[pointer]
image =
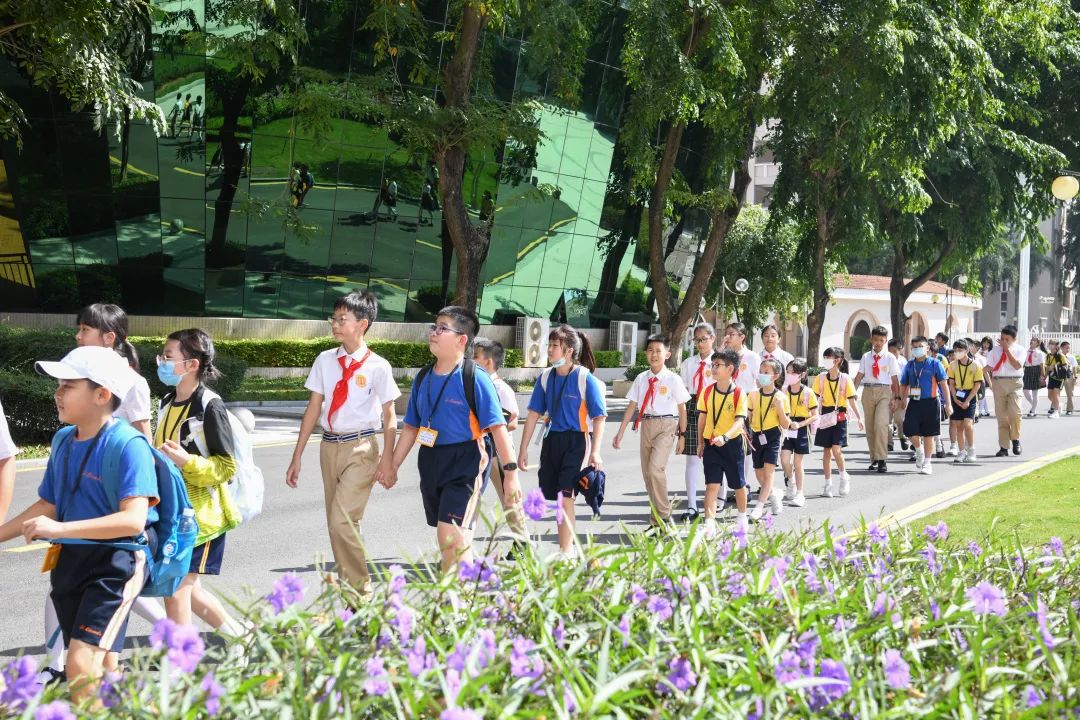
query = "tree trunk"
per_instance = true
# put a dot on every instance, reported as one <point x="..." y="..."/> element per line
<point x="609" y="276"/>
<point x="232" y="167"/>
<point x="898" y="297"/>
<point x="816" y="319"/>
<point x="125" y="144"/>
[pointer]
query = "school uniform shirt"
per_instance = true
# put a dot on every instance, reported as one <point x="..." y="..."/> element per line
<point x="901" y="363"/>
<point x="135" y="406"/>
<point x="925" y="375"/>
<point x="696" y="374"/>
<point x="827" y="389"/>
<point x="762" y="409"/>
<point x="964" y="376"/>
<point x="7" y="445"/>
<point x="888" y="368"/>
<point x="801" y="402"/>
<point x="371" y="387"/>
<point x="749" y="364"/>
<point x="507" y="399"/>
<point x="85" y="498"/>
<point x="439" y="403"/>
<point x="1070" y="361"/>
<point x="561" y="400"/>
<point x="780" y="355"/>
<point x="1000" y="367"/>
<point x="1034" y="357"/>
<point x="668" y="393"/>
<point x="720" y="410"/>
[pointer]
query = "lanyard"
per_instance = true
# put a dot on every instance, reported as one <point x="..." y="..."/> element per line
<point x="796" y="402"/>
<point x="712" y="401"/>
<point x="553" y="404"/>
<point x="763" y="415"/>
<point x="82" y="467"/>
<point x="918" y="375"/>
<point x="961" y="370"/>
<point x="834" y="387"/>
<point x="167" y="434"/>
<point x="438" y="398"/>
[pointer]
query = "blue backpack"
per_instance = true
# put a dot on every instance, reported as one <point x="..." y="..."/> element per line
<point x="169" y="563"/>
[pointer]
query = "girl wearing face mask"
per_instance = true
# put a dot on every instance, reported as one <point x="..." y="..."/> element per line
<point x="194" y="433"/>
<point x="796" y="447"/>
<point x="768" y="409"/>
<point x="1034" y="373"/>
<point x="836" y="392"/>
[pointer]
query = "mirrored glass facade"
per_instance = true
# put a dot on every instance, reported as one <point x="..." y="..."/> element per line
<point x="193" y="222"/>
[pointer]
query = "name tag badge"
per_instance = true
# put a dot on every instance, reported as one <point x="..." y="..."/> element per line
<point x="916" y="393"/>
<point x="52" y="557"/>
<point x="427" y="436"/>
<point x="762" y="440"/>
<point x="792" y="433"/>
<point x="961" y="394"/>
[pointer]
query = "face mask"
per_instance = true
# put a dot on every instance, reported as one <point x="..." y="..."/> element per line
<point x="166" y="373"/>
<point x="791" y="379"/>
<point x="764" y="379"/>
<point x="918" y="352"/>
<point x="558" y="363"/>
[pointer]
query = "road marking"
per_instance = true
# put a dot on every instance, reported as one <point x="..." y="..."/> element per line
<point x="255" y="446"/>
<point x="430" y="245"/>
<point x="28" y="548"/>
<point x="131" y="168"/>
<point x="189" y="172"/>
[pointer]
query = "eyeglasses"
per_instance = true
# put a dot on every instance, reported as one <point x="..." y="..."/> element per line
<point x="338" y="321"/>
<point x="718" y="365"/>
<point x="701" y="340"/>
<point x="440" y="329"/>
<point x="162" y="359"/>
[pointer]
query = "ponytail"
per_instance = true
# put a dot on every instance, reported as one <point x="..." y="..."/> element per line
<point x="108" y="318"/>
<point x="576" y="342"/>
<point x="197" y="345"/>
<point x="586" y="356"/>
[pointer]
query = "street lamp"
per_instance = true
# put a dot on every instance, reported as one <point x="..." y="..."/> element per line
<point x="741" y="286"/>
<point x="1065" y="187"/>
<point x="949" y="300"/>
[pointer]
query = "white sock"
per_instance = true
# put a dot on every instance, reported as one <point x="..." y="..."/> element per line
<point x="54" y="639"/>
<point x="150" y="610"/>
<point x="693" y="476"/>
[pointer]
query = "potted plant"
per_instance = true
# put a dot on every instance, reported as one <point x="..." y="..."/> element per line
<point x="402" y="403"/>
<point x="620" y="388"/>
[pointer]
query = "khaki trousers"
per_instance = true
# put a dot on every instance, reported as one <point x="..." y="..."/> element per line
<point x="876" y="416"/>
<point x="657" y="444"/>
<point x="1008" y="393"/>
<point x="1068" y="388"/>
<point x="348" y="471"/>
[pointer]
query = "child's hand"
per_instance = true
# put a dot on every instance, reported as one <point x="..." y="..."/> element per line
<point x="292" y="475"/>
<point x="861" y="426"/>
<point x="523" y="459"/>
<point x="41" y="528"/>
<point x="511" y="487"/>
<point x="594" y="460"/>
<point x="616" y="442"/>
<point x="680" y="445"/>
<point x="174" y="452"/>
<point x="385" y="474"/>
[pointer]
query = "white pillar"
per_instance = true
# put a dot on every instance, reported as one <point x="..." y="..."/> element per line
<point x="1022" y="292"/>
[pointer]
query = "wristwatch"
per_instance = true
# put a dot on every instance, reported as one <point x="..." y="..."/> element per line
<point x="509" y="466"/>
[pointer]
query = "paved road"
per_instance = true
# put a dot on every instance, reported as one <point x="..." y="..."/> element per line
<point x="290" y="535"/>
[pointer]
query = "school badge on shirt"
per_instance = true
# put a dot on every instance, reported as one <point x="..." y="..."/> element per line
<point x="361" y="381"/>
<point x="663" y="389"/>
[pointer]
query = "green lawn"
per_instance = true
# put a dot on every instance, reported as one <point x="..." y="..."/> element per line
<point x="1034" y="507"/>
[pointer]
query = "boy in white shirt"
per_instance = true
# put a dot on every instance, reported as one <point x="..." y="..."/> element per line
<point x="879" y="376"/>
<point x="660" y="397"/>
<point x="352" y="394"/>
<point x="8" y="451"/>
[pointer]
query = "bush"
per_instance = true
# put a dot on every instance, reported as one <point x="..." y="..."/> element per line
<point x="608" y="358"/>
<point x="633" y="371"/>
<point x="30" y="407"/>
<point x="771" y="625"/>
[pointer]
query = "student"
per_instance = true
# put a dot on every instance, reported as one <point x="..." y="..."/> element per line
<point x="965" y="381"/>
<point x="879" y="376"/>
<point x="452" y="459"/>
<point x="941" y="348"/>
<point x="1005" y="371"/>
<point x="796" y="447"/>
<point x="490" y="356"/>
<point x="767" y="408"/>
<point x="945" y="404"/>
<point x="697" y="377"/>
<point x="836" y="395"/>
<point x="896" y="349"/>
<point x="770" y="338"/>
<point x="93" y="586"/>
<point x="8" y="451"/>
<point x="1070" y="382"/>
<point x="567" y="404"/>
<point x="922" y="410"/>
<point x="659" y="397"/>
<point x="352" y="398"/>
<point x="985" y="346"/>
<point x="174" y="114"/>
<point x="745" y="376"/>
<point x="195" y="434"/>
<point x="1057" y="371"/>
<point x="721" y="415"/>
<point x="1034" y="374"/>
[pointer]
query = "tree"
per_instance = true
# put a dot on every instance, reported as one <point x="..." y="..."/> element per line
<point x="68" y="47"/>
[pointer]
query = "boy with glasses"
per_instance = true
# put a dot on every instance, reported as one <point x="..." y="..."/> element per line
<point x="352" y="394"/>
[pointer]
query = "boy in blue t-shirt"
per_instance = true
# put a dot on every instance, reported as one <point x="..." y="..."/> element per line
<point x="93" y="586"/>
<point x="453" y="458"/>
<point x="919" y="384"/>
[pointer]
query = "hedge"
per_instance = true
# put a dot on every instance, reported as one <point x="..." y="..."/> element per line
<point x="608" y="358"/>
<point x="29" y="406"/>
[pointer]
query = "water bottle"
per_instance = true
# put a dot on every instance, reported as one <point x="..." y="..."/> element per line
<point x="186" y="526"/>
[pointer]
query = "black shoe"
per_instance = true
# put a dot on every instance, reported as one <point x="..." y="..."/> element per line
<point x="903" y="444"/>
<point x="1016" y="447"/>
<point x="517" y="550"/>
<point x="55" y="676"/>
<point x="882" y="467"/>
<point x="1002" y="453"/>
<point x="873" y="466"/>
<point x="890" y="447"/>
<point x="690" y="515"/>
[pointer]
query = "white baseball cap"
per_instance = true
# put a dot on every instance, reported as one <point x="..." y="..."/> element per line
<point x="102" y="365"/>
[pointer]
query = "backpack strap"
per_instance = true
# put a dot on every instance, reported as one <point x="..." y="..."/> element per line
<point x="468" y="380"/>
<point x="112" y="450"/>
<point x="544" y="375"/>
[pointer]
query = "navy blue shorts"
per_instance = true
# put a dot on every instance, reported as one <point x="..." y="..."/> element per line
<point x="452" y="479"/>
<point x="562" y="456"/>
<point x="968" y="413"/>
<point x="769" y="453"/>
<point x="206" y="559"/>
<point x="93" y="589"/>
<point x="922" y="418"/>
<point x="799" y="445"/>
<point x="727" y="461"/>
<point x="831" y="436"/>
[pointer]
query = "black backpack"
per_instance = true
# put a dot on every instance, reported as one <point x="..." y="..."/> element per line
<point x="468" y="379"/>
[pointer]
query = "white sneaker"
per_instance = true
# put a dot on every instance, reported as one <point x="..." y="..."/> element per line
<point x="920" y="458"/>
<point x="962" y="457"/>
<point x="970" y="458"/>
<point x="845" y="483"/>
<point x="757" y="512"/>
<point x="1054" y="414"/>
<point x="953" y="450"/>
<point x="708" y="526"/>
<point x="777" y="506"/>
<point x="789" y="492"/>
<point x="828" y="491"/>
<point x="742" y="522"/>
<point x="926" y="469"/>
<point x="799" y="500"/>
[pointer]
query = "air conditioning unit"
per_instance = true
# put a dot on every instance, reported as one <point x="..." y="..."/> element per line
<point x="531" y="337"/>
<point x="622" y="336"/>
<point x="656" y="329"/>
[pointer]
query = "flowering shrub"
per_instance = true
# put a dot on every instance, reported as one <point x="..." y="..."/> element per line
<point x="881" y="623"/>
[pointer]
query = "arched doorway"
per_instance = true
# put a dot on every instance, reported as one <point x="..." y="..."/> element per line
<point x="916" y="325"/>
<point x="859" y="340"/>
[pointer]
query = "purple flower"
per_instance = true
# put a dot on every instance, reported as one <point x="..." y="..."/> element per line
<point x="897" y="672"/>
<point x="638" y="594"/>
<point x="288" y="590"/>
<point x="1055" y="547"/>
<point x="1044" y="627"/>
<point x="735" y="585"/>
<point x="809" y="562"/>
<point x="183" y="643"/>
<point x="934" y="609"/>
<point x="384" y="640"/>
<point x="988" y="599"/>
<point x="330" y="696"/>
<point x="660" y="607"/>
<point x="557" y="507"/>
<point x="214" y="692"/>
<point x="961" y="641"/>
<point x="534" y="505"/>
<point x="481" y="571"/>
<point x="1019" y="564"/>
<point x="930" y="553"/>
<point x="398" y="581"/>
<point x="376" y="684"/>
<point x="403" y="621"/>
<point x="569" y="704"/>
<point x="877" y="534"/>
<point x="684" y="587"/>
<point x="822" y="695"/>
<point x="1033" y="697"/>
<point x="813" y="583"/>
<point x="840" y="550"/>
<point x="418" y="659"/>
<point x="739" y="533"/>
<point x="937" y="532"/>
<point x="624" y="629"/>
<point x="725" y="551"/>
<point x="882" y="604"/>
<point x="57" y="710"/>
<point x="680" y="676"/>
<point x="460" y="714"/>
<point x="768" y="521"/>
<point x="483" y="651"/>
<point x="789" y="669"/>
<point x="108" y="693"/>
<point x="779" y="567"/>
<point x="19" y="683"/>
<point x="345" y="615"/>
<point x="808" y="645"/>
<point x="559" y="633"/>
<point x="524" y="662"/>
<point x="974" y="549"/>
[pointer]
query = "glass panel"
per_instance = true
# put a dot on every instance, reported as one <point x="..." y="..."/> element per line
<point x="313" y="173"/>
<point x="496" y="299"/>
<point x="309" y="253"/>
<point x="182" y="235"/>
<point x="261" y="294"/>
<point x="232" y="251"/>
<point x="183" y="291"/>
<point x="139" y="240"/>
<point x="301" y="297"/>
<point x="143" y="287"/>
<point x="266" y="244"/>
<point x="350" y="246"/>
<point x="612" y="95"/>
<point x="393" y="251"/>
<point x="392" y="294"/>
<point x="224" y="292"/>
<point x="180" y="85"/>
<point x="359" y="179"/>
